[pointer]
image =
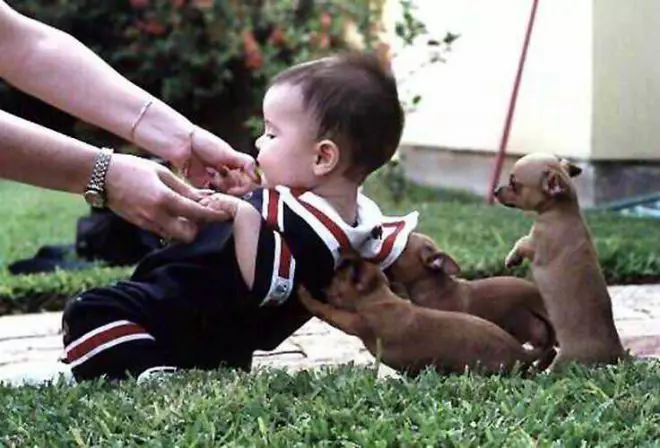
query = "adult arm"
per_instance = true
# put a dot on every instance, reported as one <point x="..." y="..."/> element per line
<point x="58" y="69"/>
<point x="140" y="190"/>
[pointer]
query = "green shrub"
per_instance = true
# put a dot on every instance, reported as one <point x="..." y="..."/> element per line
<point x="209" y="59"/>
<point x="617" y="406"/>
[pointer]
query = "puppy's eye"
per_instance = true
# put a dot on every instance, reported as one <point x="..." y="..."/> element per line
<point x="513" y="184"/>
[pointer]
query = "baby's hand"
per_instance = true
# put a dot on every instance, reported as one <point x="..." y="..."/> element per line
<point x="235" y="182"/>
<point x="226" y="204"/>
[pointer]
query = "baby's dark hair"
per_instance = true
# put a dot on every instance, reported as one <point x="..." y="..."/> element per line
<point x="355" y="102"/>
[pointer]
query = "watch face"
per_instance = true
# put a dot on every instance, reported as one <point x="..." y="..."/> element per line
<point x="94" y="198"/>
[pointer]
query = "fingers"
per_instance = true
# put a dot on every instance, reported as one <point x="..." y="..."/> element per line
<point x="182" y="209"/>
<point x="177" y="229"/>
<point x="222" y="203"/>
<point x="181" y="187"/>
<point x="233" y="182"/>
<point x="197" y="174"/>
<point x="214" y="152"/>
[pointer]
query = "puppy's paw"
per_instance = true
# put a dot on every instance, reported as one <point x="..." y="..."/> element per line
<point x="513" y="259"/>
<point x="310" y="303"/>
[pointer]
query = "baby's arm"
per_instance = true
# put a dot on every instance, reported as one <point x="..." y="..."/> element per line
<point x="276" y="244"/>
<point x="247" y="225"/>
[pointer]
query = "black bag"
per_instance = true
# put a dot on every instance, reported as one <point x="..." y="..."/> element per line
<point x="106" y="236"/>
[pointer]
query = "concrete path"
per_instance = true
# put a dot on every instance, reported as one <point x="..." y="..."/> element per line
<point x="30" y="344"/>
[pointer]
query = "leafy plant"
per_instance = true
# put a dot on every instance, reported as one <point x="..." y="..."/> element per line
<point x="212" y="59"/>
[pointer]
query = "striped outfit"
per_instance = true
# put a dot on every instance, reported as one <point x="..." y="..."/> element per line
<point x="187" y="306"/>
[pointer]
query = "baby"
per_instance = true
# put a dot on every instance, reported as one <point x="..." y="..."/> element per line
<point x="329" y="123"/>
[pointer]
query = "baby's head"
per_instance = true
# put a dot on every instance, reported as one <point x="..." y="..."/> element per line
<point x="333" y="119"/>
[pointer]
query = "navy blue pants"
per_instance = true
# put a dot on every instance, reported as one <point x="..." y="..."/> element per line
<point x="125" y="329"/>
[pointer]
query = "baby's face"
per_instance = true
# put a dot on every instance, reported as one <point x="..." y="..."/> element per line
<point x="286" y="148"/>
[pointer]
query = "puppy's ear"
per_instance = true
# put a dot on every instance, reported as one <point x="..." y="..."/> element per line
<point x="437" y="261"/>
<point x="553" y="184"/>
<point x="364" y="276"/>
<point x="574" y="170"/>
<point x="356" y="270"/>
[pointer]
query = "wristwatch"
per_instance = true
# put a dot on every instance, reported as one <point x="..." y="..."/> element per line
<point x="95" y="194"/>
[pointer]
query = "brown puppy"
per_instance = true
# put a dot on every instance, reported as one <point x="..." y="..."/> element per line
<point x="564" y="261"/>
<point x="409" y="338"/>
<point x="429" y="277"/>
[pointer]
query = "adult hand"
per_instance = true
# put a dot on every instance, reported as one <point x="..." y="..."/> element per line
<point x="210" y="153"/>
<point x="152" y="197"/>
<point x="224" y="204"/>
<point x="234" y="182"/>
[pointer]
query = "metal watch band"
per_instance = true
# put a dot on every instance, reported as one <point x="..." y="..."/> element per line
<point x="101" y="165"/>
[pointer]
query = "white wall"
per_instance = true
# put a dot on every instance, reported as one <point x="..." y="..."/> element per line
<point x="464" y="102"/>
<point x="626" y="79"/>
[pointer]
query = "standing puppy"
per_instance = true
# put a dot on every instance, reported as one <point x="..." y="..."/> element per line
<point x="409" y="338"/>
<point x="564" y="261"/>
<point x="430" y="279"/>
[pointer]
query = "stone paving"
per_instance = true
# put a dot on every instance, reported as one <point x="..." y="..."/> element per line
<point x="30" y="344"/>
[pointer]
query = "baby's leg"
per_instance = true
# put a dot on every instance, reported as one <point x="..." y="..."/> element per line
<point x="102" y="338"/>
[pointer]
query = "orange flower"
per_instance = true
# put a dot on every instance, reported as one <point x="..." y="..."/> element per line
<point x="326" y="21"/>
<point x="139" y="4"/>
<point x="320" y="40"/>
<point x="152" y="26"/>
<point x="277" y="37"/>
<point x="253" y="57"/>
<point x="203" y="4"/>
<point x="384" y="53"/>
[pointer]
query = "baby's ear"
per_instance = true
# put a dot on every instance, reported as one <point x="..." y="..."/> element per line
<point x="326" y="157"/>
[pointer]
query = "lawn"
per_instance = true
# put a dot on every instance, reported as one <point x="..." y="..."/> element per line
<point x="343" y="406"/>
<point x="339" y="406"/>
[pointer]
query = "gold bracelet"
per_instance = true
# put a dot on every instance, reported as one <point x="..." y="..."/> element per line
<point x="186" y="166"/>
<point x="143" y="111"/>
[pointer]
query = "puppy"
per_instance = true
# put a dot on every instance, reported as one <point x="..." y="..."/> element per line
<point x="409" y="338"/>
<point x="564" y="261"/>
<point x="429" y="277"/>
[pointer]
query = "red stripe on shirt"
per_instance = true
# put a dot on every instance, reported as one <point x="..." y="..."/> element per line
<point x="333" y="228"/>
<point x="273" y="208"/>
<point x="388" y="244"/>
<point x="285" y="260"/>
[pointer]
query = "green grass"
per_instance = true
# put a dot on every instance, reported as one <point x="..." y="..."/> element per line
<point x="477" y="235"/>
<point x="343" y="406"/>
<point x="31" y="218"/>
